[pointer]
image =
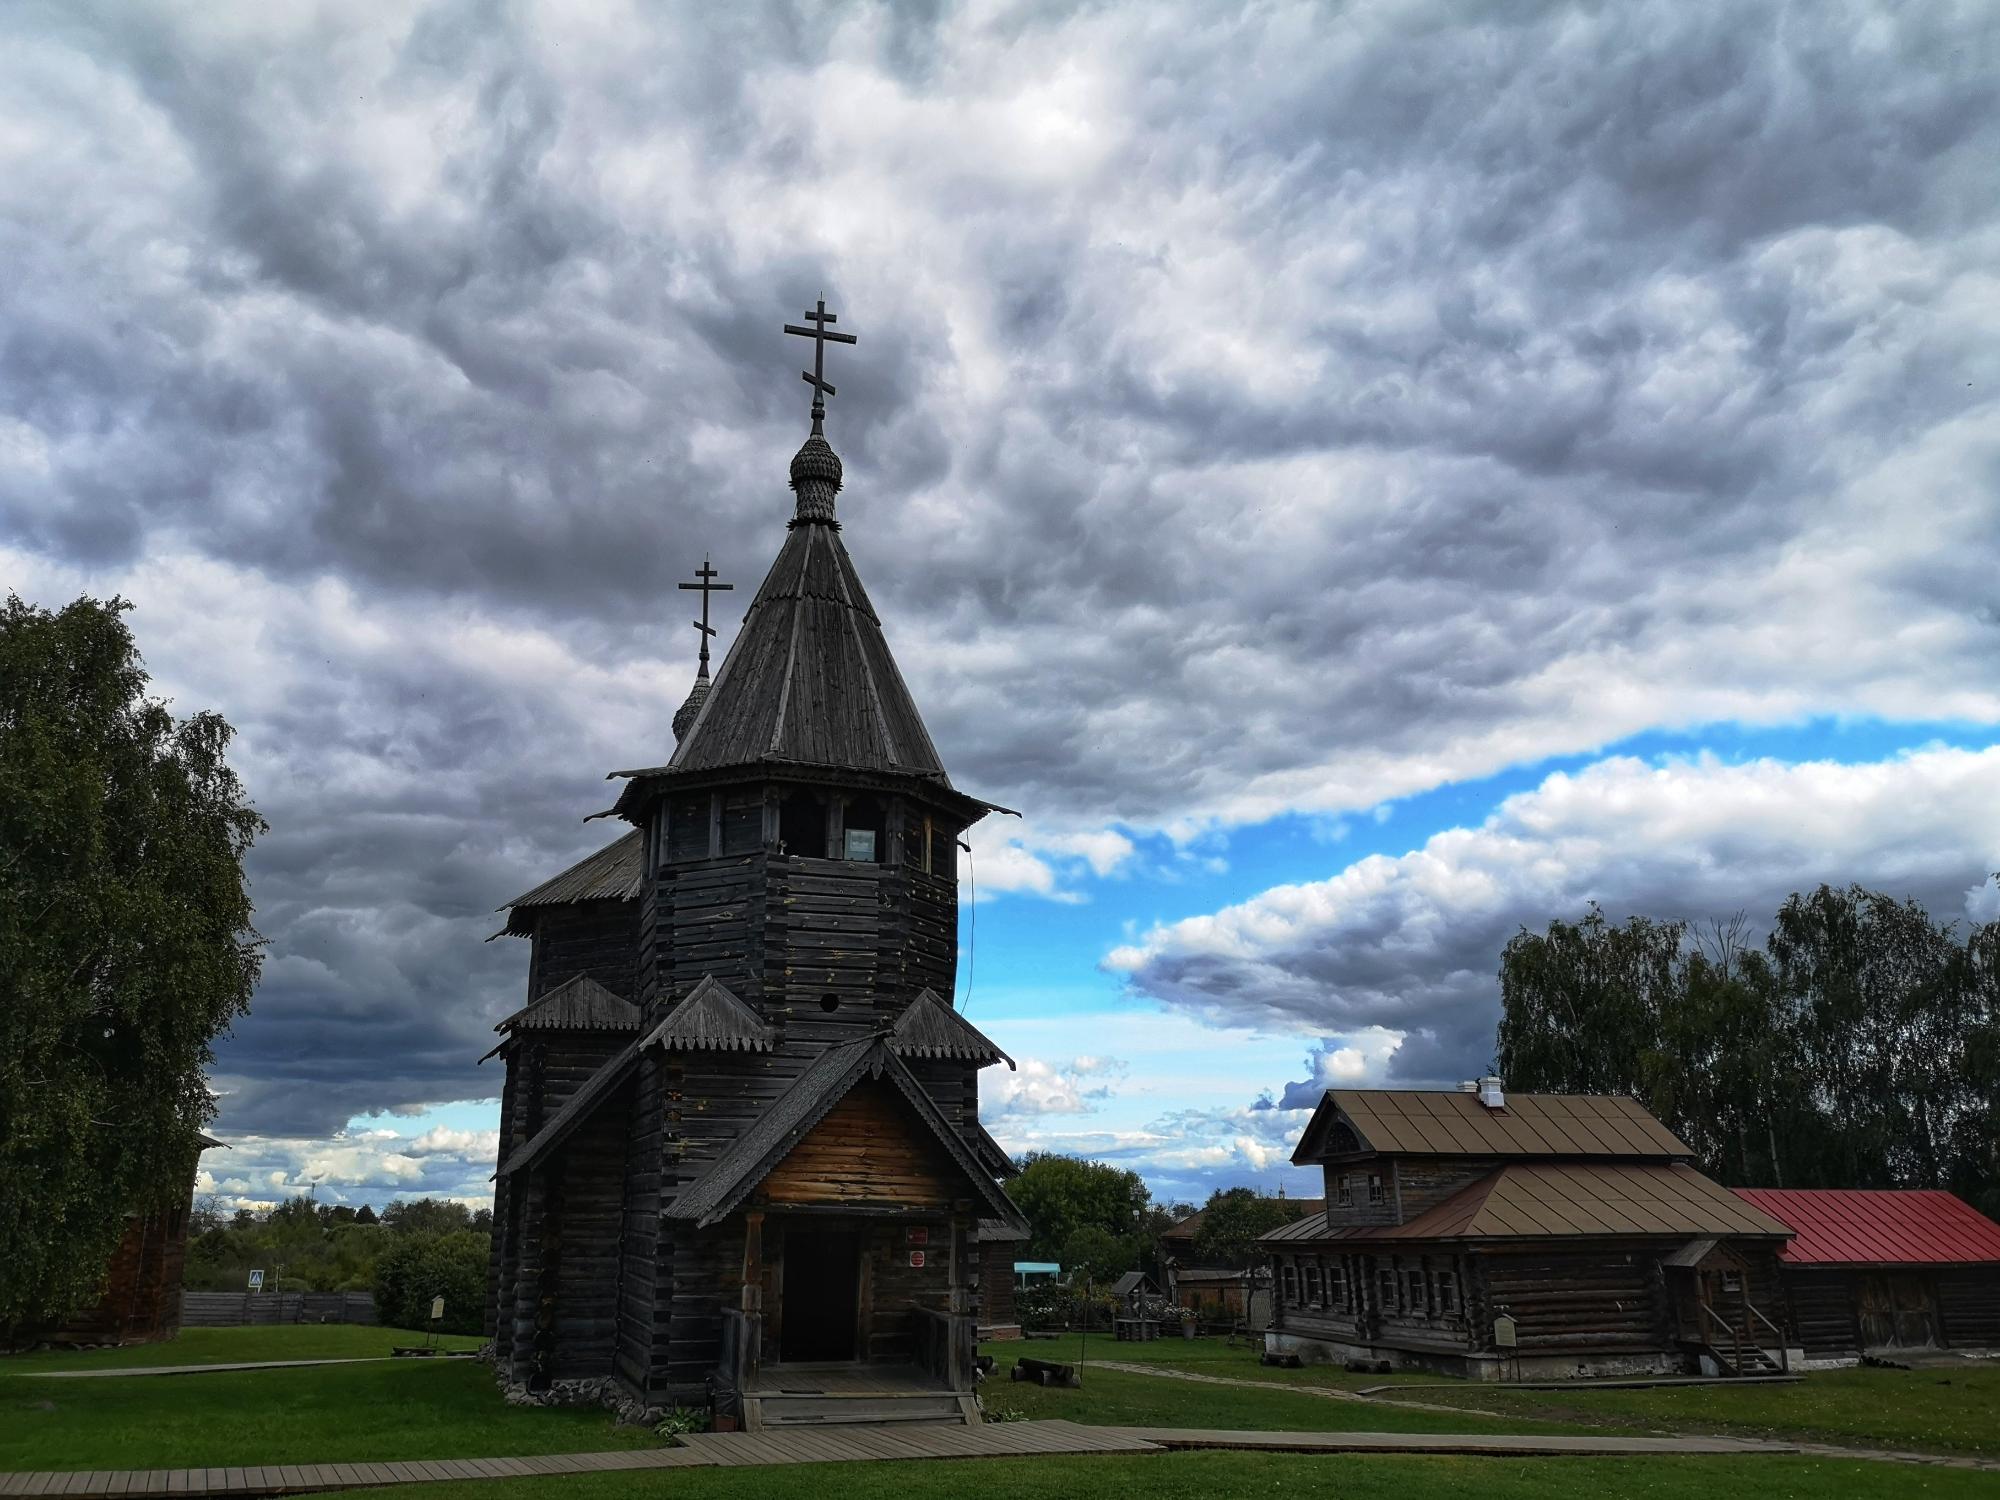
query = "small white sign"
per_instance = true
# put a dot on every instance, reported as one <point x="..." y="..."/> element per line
<point x="437" y="1308"/>
<point x="256" y="1281"/>
<point x="1503" y="1332"/>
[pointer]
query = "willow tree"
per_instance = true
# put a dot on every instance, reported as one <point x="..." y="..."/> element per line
<point x="125" y="944"/>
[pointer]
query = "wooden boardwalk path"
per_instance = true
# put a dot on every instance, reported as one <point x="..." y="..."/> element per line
<point x="1490" y="1445"/>
<point x="703" y="1450"/>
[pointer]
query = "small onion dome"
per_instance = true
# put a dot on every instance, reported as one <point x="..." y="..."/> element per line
<point x="815" y="480"/>
<point x="684" y="717"/>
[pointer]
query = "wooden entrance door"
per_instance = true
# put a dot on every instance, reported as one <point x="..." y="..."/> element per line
<point x="822" y="1297"/>
<point x="1896" y="1311"/>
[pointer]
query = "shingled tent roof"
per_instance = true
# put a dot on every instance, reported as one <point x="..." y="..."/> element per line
<point x="809" y="679"/>
<point x="930" y="1028"/>
<point x="711" y="1018"/>
<point x="611" y="874"/>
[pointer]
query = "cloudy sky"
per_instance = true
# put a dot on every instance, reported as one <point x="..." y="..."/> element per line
<point x="1362" y="478"/>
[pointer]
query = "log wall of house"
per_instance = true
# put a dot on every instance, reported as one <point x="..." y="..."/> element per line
<point x="996" y="1283"/>
<point x="141" y="1300"/>
<point x="1588" y="1297"/>
<point x="1423" y="1182"/>
<point x="640" y="1263"/>
<point x="1968" y="1303"/>
<point x="1362" y="1213"/>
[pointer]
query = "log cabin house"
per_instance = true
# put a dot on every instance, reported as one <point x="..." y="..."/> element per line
<point x="1492" y="1236"/>
<point x="740" y="1140"/>
<point x="1872" y="1270"/>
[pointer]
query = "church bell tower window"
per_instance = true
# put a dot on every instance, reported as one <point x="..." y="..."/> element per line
<point x="863" y="837"/>
<point x="802" y="824"/>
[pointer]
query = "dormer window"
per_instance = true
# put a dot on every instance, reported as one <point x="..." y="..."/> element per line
<point x="1343" y="1187"/>
<point x="1375" y="1189"/>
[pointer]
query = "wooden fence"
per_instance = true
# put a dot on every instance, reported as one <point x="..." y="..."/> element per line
<point x="238" y="1309"/>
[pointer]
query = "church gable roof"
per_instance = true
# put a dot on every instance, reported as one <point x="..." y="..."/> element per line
<point x="710" y="1018"/>
<point x="751" y="1158"/>
<point x="931" y="1028"/>
<point x="580" y="1107"/>
<point x="809" y="679"/>
<point x="577" y="1004"/>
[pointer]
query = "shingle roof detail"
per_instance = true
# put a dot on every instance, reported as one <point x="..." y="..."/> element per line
<point x="1881" y="1227"/>
<point x="1548" y="1200"/>
<point x="574" y="1112"/>
<point x="809" y="679"/>
<point x="611" y="874"/>
<point x="1439" y="1122"/>
<point x="748" y="1160"/>
<point x="710" y="1018"/>
<point x="579" y="1003"/>
<point x="930" y="1028"/>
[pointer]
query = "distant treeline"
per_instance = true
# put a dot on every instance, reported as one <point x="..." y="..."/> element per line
<point x="1859" y="1046"/>
<point x="410" y="1253"/>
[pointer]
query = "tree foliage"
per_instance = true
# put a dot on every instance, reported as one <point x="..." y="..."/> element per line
<point x="1858" y="1047"/>
<point x="413" y="1268"/>
<point x="1061" y="1195"/>
<point x="1231" y="1221"/>
<point x="125" y="944"/>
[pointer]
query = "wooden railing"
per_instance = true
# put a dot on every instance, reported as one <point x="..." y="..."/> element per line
<point x="1777" y="1334"/>
<point x="944" y="1345"/>
<point x="1735" y="1332"/>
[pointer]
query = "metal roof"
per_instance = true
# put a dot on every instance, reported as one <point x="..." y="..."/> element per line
<point x="611" y="874"/>
<point x="1546" y="1200"/>
<point x="930" y="1028"/>
<point x="1878" y="1227"/>
<point x="1440" y="1122"/>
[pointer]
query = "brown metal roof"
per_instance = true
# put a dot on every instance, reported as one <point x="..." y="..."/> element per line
<point x="611" y="874"/>
<point x="1554" y="1200"/>
<point x="1437" y="1122"/>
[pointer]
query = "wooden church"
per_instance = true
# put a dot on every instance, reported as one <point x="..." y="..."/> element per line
<point x="741" y="1158"/>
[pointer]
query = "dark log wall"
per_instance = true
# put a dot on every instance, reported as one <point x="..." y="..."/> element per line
<point x="591" y="1168"/>
<point x="1822" y="1308"/>
<point x="1362" y="1211"/>
<point x="996" y="1283"/>
<point x="641" y="1269"/>
<point x="1968" y="1303"/>
<point x="598" y="938"/>
<point x="868" y="1149"/>
<point x="1424" y="1182"/>
<point x="1590" y="1297"/>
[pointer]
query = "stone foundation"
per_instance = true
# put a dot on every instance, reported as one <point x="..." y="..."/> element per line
<point x="1466" y="1365"/>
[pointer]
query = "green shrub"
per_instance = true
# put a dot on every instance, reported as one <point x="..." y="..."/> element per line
<point x="412" y="1269"/>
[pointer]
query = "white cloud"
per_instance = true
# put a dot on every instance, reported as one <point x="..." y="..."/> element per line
<point x="1407" y="946"/>
<point x="1041" y="1088"/>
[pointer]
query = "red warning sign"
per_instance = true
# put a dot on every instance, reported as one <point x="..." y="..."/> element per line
<point x="917" y="1258"/>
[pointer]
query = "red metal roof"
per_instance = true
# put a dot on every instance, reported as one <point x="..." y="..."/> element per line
<point x="1845" y="1227"/>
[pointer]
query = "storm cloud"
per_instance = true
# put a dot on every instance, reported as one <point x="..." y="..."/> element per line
<point x="1263" y="410"/>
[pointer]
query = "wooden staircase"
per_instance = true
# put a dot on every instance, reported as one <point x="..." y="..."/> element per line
<point x="1746" y="1360"/>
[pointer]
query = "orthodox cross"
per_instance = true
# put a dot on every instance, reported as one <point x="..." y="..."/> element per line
<point x="819" y="333"/>
<point x="705" y="577"/>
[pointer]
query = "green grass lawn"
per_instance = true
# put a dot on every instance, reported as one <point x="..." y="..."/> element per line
<point x="222" y="1346"/>
<point x="1114" y="1398"/>
<point x="1202" y="1476"/>
<point x="324" y="1413"/>
<point x="1936" y="1411"/>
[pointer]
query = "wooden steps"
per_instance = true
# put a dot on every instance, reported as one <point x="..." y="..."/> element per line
<point x="765" y="1411"/>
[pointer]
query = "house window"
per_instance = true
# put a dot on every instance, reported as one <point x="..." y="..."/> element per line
<point x="1447" y="1292"/>
<point x="1313" y="1285"/>
<point x="1344" y="1190"/>
<point x="1413" y="1288"/>
<point x="1336" y="1286"/>
<point x="1291" y="1277"/>
<point x="1385" y="1288"/>
<point x="1375" y="1193"/>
